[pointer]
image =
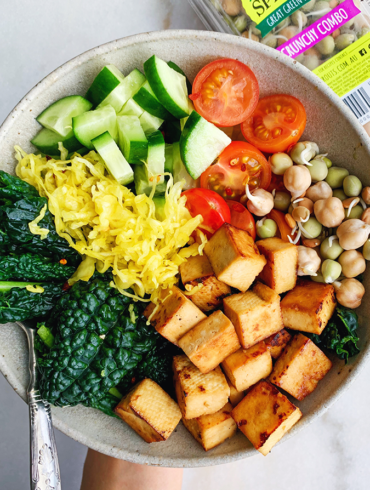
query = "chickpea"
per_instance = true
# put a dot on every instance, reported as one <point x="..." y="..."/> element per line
<point x="231" y="7"/>
<point x="280" y="162"/>
<point x="260" y="202"/>
<point x="297" y="179"/>
<point x="352" y="234"/>
<point x="308" y="261"/>
<point x="251" y="36"/>
<point x="349" y="292"/>
<point x="306" y="203"/>
<point x="321" y="190"/>
<point x="329" y="212"/>
<point x="352" y="262"/>
<point x="365" y="194"/>
<point x="282" y="201"/>
<point x="330" y="270"/>
<point x="287" y="33"/>
<point x="300" y="214"/>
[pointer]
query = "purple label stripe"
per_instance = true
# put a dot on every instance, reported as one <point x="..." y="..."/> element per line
<point x="320" y="29"/>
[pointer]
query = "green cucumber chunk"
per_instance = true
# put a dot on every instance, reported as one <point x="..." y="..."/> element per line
<point x="105" y="82"/>
<point x="113" y="158"/>
<point x="179" y="169"/>
<point x="168" y="158"/>
<point x="150" y="123"/>
<point x="156" y="155"/>
<point x="58" y="116"/>
<point x="91" y="124"/>
<point x="143" y="184"/>
<point x="168" y="85"/>
<point x="148" y="102"/>
<point x="159" y="202"/>
<point x="175" y="67"/>
<point x="124" y="91"/>
<point x="132" y="139"/>
<point x="131" y="108"/>
<point x="184" y="119"/>
<point x="47" y="142"/>
<point x="201" y="143"/>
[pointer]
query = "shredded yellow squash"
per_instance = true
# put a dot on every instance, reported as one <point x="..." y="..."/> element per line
<point x="112" y="227"/>
<point x="34" y="225"/>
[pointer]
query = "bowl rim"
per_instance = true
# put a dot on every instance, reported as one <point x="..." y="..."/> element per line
<point x="191" y="35"/>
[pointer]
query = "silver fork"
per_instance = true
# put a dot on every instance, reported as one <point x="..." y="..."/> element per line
<point x="45" y="474"/>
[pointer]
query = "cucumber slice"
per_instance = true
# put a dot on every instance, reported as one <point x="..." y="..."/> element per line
<point x="105" y="82"/>
<point x="148" y="101"/>
<point x="156" y="155"/>
<point x="200" y="144"/>
<point x="91" y="124"/>
<point x="159" y="202"/>
<point x="142" y="183"/>
<point x="131" y="108"/>
<point x="168" y="86"/>
<point x="132" y="139"/>
<point x="124" y="91"/>
<point x="168" y="156"/>
<point x="47" y="142"/>
<point x="113" y="158"/>
<point x="184" y="119"/>
<point x="150" y="123"/>
<point x="179" y="169"/>
<point x="58" y="116"/>
<point x="175" y="67"/>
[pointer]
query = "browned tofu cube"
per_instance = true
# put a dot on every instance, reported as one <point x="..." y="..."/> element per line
<point x="197" y="393"/>
<point x="265" y="415"/>
<point x="309" y="306"/>
<point x="280" y="272"/>
<point x="198" y="270"/>
<point x="212" y="430"/>
<point x="234" y="257"/>
<point x="300" y="367"/>
<point x="175" y="316"/>
<point x="244" y="368"/>
<point x="235" y="395"/>
<point x="150" y="411"/>
<point x="210" y="342"/>
<point x="255" y="314"/>
<point x="277" y="342"/>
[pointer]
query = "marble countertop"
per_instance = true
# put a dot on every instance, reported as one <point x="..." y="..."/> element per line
<point x="35" y="38"/>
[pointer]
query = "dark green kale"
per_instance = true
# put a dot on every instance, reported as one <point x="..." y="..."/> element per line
<point x="31" y="267"/>
<point x="107" y="404"/>
<point x="19" y="304"/>
<point x="340" y="335"/>
<point x="12" y="188"/>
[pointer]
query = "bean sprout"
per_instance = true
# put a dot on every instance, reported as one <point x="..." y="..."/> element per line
<point x="331" y="239"/>
<point x="297" y="238"/>
<point x="318" y="12"/>
<point x="305" y="232"/>
<point x="363" y="204"/>
<point x="305" y="152"/>
<point x="353" y="203"/>
<point x="273" y="193"/>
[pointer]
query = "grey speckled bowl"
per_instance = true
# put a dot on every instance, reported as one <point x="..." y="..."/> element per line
<point x="329" y="123"/>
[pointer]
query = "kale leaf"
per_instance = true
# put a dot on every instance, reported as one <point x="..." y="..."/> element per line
<point x="340" y="335"/>
<point x="12" y="188"/>
<point x="31" y="267"/>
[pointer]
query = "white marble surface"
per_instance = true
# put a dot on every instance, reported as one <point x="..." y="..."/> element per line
<point x="36" y="36"/>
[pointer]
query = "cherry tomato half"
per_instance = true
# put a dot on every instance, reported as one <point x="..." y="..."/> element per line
<point x="225" y="92"/>
<point x="242" y="218"/>
<point x="239" y="164"/>
<point x="210" y="206"/>
<point x="277" y="123"/>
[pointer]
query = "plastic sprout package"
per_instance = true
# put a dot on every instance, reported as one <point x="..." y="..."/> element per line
<point x="330" y="38"/>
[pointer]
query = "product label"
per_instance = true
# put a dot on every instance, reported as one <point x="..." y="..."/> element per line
<point x="320" y="29"/>
<point x="267" y="14"/>
<point x="348" y="75"/>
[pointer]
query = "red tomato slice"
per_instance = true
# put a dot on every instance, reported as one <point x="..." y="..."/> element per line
<point x="225" y="92"/>
<point x="239" y="164"/>
<point x="210" y="206"/>
<point x="277" y="123"/>
<point x="277" y="183"/>
<point x="242" y="218"/>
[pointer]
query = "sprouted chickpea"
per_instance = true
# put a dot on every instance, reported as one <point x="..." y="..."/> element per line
<point x="260" y="202"/>
<point x="352" y="234"/>
<point x="304" y="151"/>
<point x="329" y="212"/>
<point x="297" y="179"/>
<point x="301" y="214"/>
<point x="231" y="7"/>
<point x="321" y="190"/>
<point x="349" y="292"/>
<point x="308" y="261"/>
<point x="352" y="262"/>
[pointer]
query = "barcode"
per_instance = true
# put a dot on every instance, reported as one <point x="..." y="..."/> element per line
<point x="358" y="100"/>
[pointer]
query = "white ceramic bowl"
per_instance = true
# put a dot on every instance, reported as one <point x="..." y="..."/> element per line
<point x="329" y="123"/>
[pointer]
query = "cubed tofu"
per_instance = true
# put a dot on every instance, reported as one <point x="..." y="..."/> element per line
<point x="309" y="306"/>
<point x="265" y="415"/>
<point x="255" y="314"/>
<point x="234" y="257"/>
<point x="300" y="367"/>
<point x="235" y="395"/>
<point x="175" y="316"/>
<point x="277" y="342"/>
<point x="212" y="430"/>
<point x="280" y="272"/>
<point x="150" y="411"/>
<point x="210" y="342"/>
<point x="197" y="393"/>
<point x="244" y="368"/>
